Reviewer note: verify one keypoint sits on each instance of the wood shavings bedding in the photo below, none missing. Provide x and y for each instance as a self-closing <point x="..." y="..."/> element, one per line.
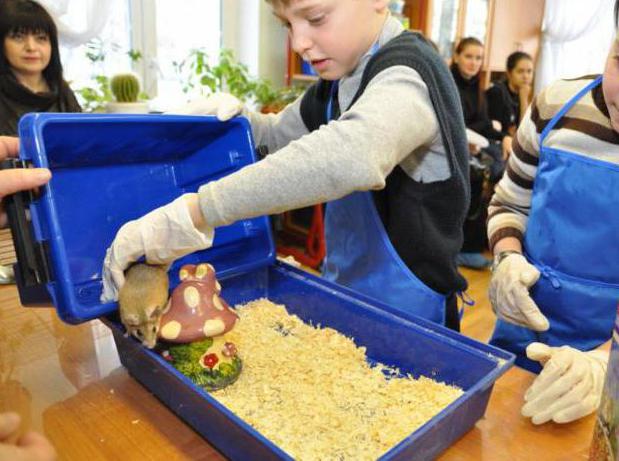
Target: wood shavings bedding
<point x="311" y="392"/>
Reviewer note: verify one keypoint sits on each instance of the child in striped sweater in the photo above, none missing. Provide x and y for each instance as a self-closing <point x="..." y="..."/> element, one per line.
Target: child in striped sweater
<point x="553" y="227"/>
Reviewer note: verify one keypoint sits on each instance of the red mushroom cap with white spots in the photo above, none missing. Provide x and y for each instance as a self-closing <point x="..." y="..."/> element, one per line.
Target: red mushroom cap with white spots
<point x="195" y="310"/>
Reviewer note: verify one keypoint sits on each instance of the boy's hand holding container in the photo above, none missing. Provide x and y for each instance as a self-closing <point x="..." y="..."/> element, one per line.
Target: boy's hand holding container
<point x="223" y="105"/>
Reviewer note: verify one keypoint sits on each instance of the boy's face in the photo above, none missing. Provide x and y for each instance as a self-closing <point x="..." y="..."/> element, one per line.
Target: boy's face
<point x="332" y="35"/>
<point x="610" y="84"/>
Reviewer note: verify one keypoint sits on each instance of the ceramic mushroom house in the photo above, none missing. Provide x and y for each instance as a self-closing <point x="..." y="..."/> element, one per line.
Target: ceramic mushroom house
<point x="197" y="319"/>
<point x="196" y="311"/>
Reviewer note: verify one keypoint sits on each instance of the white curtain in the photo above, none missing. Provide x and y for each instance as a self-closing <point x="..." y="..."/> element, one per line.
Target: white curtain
<point x="576" y="36"/>
<point x="78" y="21"/>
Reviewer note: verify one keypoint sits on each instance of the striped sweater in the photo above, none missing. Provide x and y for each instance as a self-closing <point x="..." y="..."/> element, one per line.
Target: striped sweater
<point x="584" y="129"/>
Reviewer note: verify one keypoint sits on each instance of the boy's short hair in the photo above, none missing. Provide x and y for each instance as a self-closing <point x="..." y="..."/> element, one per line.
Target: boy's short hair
<point x="278" y="3"/>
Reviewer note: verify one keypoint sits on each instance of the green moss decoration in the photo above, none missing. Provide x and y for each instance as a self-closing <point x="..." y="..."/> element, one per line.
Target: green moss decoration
<point x="203" y="363"/>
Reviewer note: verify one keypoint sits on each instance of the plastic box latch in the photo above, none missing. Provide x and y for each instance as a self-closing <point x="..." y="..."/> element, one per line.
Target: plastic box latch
<point x="32" y="270"/>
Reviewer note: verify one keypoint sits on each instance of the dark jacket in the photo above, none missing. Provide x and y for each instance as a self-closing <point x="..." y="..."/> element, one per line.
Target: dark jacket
<point x="17" y="100"/>
<point x="423" y="220"/>
<point x="503" y="105"/>
<point x="474" y="106"/>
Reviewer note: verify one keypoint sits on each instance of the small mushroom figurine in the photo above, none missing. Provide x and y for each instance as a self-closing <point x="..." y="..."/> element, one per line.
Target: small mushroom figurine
<point x="197" y="320"/>
<point x="196" y="311"/>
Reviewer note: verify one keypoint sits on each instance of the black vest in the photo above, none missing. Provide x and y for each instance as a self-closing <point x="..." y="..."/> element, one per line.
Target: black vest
<point x="423" y="221"/>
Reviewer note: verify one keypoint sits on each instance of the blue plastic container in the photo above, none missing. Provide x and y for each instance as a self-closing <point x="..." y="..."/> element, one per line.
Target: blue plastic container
<point x="307" y="69"/>
<point x="108" y="169"/>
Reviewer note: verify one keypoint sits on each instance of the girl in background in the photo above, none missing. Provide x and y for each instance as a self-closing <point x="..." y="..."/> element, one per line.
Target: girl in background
<point x="486" y="163"/>
<point x="508" y="99"/>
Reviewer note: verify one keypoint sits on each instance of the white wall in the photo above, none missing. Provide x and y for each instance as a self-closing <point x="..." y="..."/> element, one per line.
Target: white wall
<point x="256" y="37"/>
<point x="273" y="45"/>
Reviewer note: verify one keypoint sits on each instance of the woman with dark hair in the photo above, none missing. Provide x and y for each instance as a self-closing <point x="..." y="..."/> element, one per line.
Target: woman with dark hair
<point x="30" y="70"/>
<point x="486" y="163"/>
<point x="508" y="99"/>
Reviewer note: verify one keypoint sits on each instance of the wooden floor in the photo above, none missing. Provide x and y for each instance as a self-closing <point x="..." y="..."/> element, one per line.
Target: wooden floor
<point x="7" y="252"/>
<point x="478" y="320"/>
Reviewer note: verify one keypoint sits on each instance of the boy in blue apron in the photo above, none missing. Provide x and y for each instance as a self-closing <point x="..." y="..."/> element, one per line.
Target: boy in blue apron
<point x="554" y="229"/>
<point x="380" y="137"/>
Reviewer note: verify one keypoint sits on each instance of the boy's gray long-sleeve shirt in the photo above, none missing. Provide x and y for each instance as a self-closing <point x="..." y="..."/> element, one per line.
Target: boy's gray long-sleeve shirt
<point x="392" y="123"/>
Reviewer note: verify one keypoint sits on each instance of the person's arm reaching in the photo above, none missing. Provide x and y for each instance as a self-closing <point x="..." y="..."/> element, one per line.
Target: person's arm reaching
<point x="356" y="152"/>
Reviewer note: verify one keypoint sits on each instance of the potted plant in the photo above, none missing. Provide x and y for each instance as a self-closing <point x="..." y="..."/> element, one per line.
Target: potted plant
<point x="229" y="75"/>
<point x="274" y="100"/>
<point x="126" y="89"/>
<point x="96" y="94"/>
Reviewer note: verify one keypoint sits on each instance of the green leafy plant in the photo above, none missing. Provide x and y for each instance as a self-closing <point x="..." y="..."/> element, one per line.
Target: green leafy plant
<point x="265" y="93"/>
<point x="95" y="97"/>
<point x="268" y="98"/>
<point x="187" y="359"/>
<point x="196" y="72"/>
<point x="227" y="74"/>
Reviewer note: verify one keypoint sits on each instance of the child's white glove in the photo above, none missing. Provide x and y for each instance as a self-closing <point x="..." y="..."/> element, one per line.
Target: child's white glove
<point x="570" y="385"/>
<point x="162" y="236"/>
<point x="223" y="105"/>
<point x="509" y="293"/>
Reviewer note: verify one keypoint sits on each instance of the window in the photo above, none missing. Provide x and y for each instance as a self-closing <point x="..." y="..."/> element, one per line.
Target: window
<point x="162" y="31"/>
<point x="445" y="25"/>
<point x="181" y="27"/>
<point x="105" y="54"/>
<point x="476" y="17"/>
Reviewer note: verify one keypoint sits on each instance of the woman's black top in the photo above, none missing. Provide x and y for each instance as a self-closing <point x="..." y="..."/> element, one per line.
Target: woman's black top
<point x="474" y="106"/>
<point x="503" y="105"/>
<point x="17" y="100"/>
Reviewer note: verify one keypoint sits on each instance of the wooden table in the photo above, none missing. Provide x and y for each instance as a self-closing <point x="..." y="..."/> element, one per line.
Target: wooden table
<point x="67" y="382"/>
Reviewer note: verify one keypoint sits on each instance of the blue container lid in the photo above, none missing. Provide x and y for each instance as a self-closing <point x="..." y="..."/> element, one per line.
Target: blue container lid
<point x="110" y="169"/>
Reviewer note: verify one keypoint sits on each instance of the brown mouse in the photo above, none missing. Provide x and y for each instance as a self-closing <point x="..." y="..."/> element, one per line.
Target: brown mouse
<point x="142" y="300"/>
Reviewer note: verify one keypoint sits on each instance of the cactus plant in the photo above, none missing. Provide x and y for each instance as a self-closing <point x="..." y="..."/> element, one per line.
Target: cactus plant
<point x="125" y="87"/>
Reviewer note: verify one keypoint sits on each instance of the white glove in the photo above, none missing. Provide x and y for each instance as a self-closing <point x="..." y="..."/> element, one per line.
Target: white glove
<point x="509" y="293"/>
<point x="163" y="235"/>
<point x="223" y="105"/>
<point x="570" y="385"/>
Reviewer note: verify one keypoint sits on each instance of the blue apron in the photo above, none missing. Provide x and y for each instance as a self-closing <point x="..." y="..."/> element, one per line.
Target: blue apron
<point x="360" y="256"/>
<point x="572" y="237"/>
